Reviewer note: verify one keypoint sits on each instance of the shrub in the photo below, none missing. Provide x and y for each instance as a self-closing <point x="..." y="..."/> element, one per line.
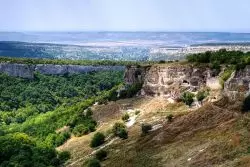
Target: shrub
<point x="246" y="104"/>
<point x="88" y="113"/>
<point x="103" y="101"/>
<point x="187" y="98"/>
<point x="93" y="163"/>
<point x="55" y="140"/>
<point x="117" y="126"/>
<point x="123" y="134"/>
<point x="145" y="128"/>
<point x="80" y="130"/>
<point x="91" y="126"/>
<point x="215" y="65"/>
<point x="162" y="62"/>
<point x="131" y="90"/>
<point x="125" y="117"/>
<point x="101" y="155"/>
<point x="2" y="132"/>
<point x="119" y="130"/>
<point x="97" y="140"/>
<point x="226" y="74"/>
<point x="201" y="95"/>
<point x="170" y="117"/>
<point x="64" y="155"/>
<point x="137" y="112"/>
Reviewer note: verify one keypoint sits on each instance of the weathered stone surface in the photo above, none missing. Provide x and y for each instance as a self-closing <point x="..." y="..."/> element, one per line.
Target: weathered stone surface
<point x="238" y="85"/>
<point x="169" y="80"/>
<point x="51" y="69"/>
<point x="27" y="71"/>
<point x="135" y="74"/>
<point x="18" y="70"/>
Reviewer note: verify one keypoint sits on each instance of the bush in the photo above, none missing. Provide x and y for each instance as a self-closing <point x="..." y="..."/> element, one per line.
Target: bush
<point x="123" y="134"/>
<point x="221" y="56"/>
<point x="226" y="74"/>
<point x="88" y="113"/>
<point x="119" y="130"/>
<point x="201" y="95"/>
<point x="145" y="128"/>
<point x="246" y="104"/>
<point x="215" y="65"/>
<point x="162" y="62"/>
<point x="137" y="112"/>
<point x="125" y="117"/>
<point x="55" y="140"/>
<point x="97" y="140"/>
<point x="93" y="163"/>
<point x="101" y="155"/>
<point x="170" y="117"/>
<point x="64" y="156"/>
<point x="80" y="130"/>
<point x="131" y="90"/>
<point x="187" y="98"/>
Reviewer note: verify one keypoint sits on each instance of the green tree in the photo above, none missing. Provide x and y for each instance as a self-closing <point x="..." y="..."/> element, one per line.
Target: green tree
<point x="80" y="130"/>
<point x="125" y="117"/>
<point x="201" y="95"/>
<point x="93" y="163"/>
<point x="119" y="129"/>
<point x="187" y="98"/>
<point x="101" y="155"/>
<point x="97" y="140"/>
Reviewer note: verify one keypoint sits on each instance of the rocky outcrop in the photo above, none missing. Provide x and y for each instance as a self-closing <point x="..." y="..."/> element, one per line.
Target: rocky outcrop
<point x="27" y="71"/>
<point x="238" y="85"/>
<point x="18" y="70"/>
<point x="135" y="74"/>
<point x="171" y="80"/>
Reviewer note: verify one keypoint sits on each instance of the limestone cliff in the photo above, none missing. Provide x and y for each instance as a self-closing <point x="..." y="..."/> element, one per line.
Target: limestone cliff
<point x="170" y="80"/>
<point x="27" y="71"/>
<point x="238" y="85"/>
<point x="18" y="70"/>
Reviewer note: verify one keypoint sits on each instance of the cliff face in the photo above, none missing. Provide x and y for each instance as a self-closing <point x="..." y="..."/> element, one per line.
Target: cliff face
<point x="238" y="85"/>
<point x="134" y="74"/>
<point x="18" y="70"/>
<point x="171" y="80"/>
<point x="27" y="71"/>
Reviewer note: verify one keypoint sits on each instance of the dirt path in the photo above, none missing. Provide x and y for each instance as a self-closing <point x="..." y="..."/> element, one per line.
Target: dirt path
<point x="93" y="152"/>
<point x="130" y="123"/>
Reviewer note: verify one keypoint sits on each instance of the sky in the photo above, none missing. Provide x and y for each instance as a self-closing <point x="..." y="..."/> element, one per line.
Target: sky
<point x="125" y="15"/>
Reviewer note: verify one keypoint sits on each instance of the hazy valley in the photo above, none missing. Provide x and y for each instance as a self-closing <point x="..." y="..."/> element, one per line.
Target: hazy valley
<point x="188" y="113"/>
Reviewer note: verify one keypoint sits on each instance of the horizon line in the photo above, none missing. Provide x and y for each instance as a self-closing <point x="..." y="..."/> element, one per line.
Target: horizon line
<point x="118" y="31"/>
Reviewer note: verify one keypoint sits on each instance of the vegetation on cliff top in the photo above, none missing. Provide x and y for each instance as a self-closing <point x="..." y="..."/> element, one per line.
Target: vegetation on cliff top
<point x="72" y="62"/>
<point x="238" y="58"/>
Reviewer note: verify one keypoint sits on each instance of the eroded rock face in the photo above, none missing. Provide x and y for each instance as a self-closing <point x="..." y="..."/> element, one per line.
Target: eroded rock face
<point x="135" y="74"/>
<point x="18" y="70"/>
<point x="238" y="85"/>
<point x="170" y="80"/>
<point x="27" y="71"/>
<point x="51" y="69"/>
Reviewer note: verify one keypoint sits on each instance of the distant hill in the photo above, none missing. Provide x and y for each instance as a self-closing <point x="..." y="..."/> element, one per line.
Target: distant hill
<point x="74" y="52"/>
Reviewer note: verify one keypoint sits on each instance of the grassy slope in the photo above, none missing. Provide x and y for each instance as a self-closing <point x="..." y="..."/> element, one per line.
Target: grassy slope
<point x="211" y="136"/>
<point x="214" y="135"/>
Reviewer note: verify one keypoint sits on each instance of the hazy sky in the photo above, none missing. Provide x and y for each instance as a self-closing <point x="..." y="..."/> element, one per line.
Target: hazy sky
<point x="125" y="15"/>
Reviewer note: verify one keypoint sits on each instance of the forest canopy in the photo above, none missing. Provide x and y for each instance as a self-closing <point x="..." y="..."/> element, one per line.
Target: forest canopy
<point x="31" y="111"/>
